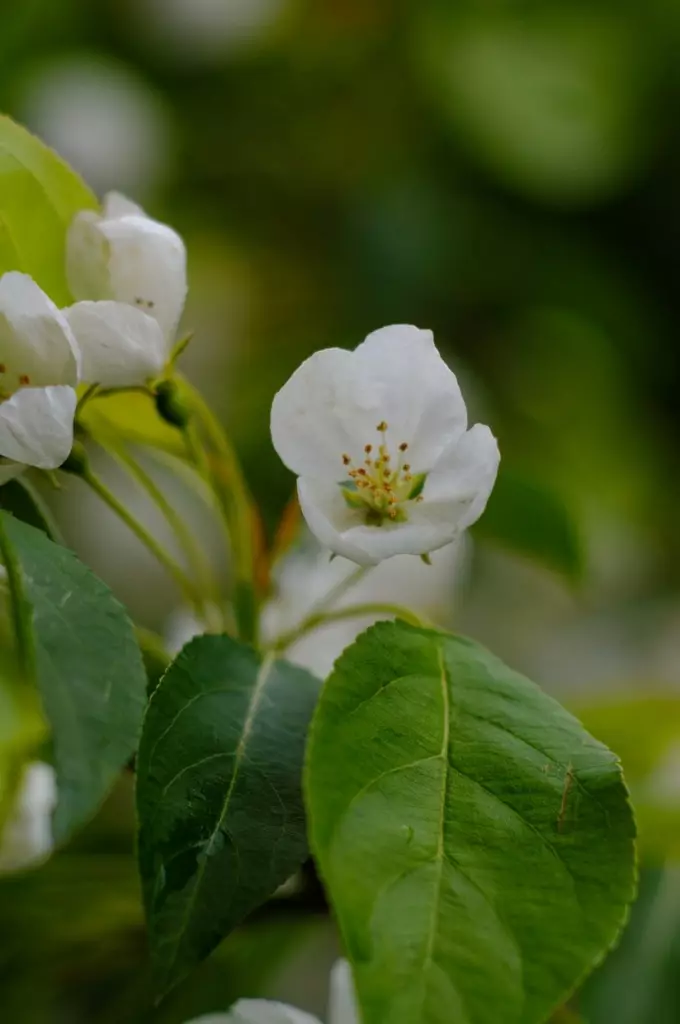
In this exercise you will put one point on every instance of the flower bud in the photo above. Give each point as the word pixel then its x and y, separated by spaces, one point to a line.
pixel 172 406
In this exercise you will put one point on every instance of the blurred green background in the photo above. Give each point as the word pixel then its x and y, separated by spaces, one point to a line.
pixel 505 172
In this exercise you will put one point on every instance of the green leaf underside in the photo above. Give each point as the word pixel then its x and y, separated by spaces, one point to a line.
pixel 219 795
pixel 39 196
pixel 88 668
pixel 477 844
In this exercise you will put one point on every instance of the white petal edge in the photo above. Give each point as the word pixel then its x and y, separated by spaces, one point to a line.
pixel 310 422
pixel 342 1003
pixel 37 341
pixel 147 268
pixel 258 1011
pixel 36 426
pixel 117 205
pixel 463 478
pixel 26 838
pixel 420 395
pixel 87 255
pixel 121 346
pixel 340 528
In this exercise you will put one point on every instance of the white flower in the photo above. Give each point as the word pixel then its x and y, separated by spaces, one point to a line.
pixel 39 366
pixel 379 440
pixel 342 1007
pixel 307 574
pixel 129 272
pixel 27 835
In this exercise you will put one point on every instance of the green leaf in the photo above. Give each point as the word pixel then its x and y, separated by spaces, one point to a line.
pixel 88 670
pixel 25 503
pixel 218 795
pixel 39 196
pixel 476 842
pixel 529 518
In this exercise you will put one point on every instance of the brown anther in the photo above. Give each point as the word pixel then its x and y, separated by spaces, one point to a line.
pixel 403 446
pixel 406 467
pixel 368 448
pixel 138 301
pixel 407 477
pixel 382 427
pixel 362 471
pixel 346 460
pixel 420 498
pixel 3 368
pixel 24 379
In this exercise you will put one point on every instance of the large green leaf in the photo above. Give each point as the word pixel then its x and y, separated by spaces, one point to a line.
pixel 39 196
pixel 476 842
pixel 87 665
pixel 530 519
pixel 218 794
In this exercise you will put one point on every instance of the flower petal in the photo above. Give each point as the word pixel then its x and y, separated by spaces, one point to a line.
pixel 311 419
pixel 87 257
pixel 36 426
pixel 462 480
pixel 120 345
pixel 130 258
pixel 333 403
pixel 342 1006
pixel 343 531
pixel 418 394
pixel 258 1011
pixel 37 346
pixel 116 205
pixel 27 835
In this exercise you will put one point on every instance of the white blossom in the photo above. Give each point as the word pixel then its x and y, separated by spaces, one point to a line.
pixel 379 440
pixel 27 834
pixel 39 368
pixel 342 1007
pixel 306 575
pixel 128 272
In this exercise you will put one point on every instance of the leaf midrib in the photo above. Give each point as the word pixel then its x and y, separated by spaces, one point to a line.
pixel 440 855
pixel 253 706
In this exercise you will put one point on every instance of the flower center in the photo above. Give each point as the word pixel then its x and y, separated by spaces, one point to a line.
pixel 382 485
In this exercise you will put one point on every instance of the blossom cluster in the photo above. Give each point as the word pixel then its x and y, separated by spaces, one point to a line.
pixel 378 437
pixel 128 273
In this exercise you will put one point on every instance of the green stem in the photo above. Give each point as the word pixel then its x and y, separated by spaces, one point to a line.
pixel 147 539
pixel 89 393
pixel 195 555
pixel 354 611
pixel 20 608
pixel 228 483
pixel 340 589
